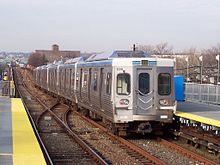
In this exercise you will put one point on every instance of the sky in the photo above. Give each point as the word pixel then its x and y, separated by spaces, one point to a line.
pixel 105 25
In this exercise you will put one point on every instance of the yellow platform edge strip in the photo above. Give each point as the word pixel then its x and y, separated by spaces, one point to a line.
pixel 26 149
pixel 197 118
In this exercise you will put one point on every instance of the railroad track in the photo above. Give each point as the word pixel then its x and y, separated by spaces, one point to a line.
pixel 116 149
pixel 28 102
pixel 62 148
pixel 197 158
pixel 131 154
pixel 205 143
pixel 59 143
pixel 164 150
pixel 105 143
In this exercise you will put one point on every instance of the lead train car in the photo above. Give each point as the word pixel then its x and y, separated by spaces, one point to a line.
pixel 127 90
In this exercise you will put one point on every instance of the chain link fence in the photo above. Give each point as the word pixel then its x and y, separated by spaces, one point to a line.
pixel 207 93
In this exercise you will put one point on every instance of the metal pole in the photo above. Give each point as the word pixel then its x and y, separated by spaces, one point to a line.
pixel 201 73
pixel 174 65
pixel 218 73
pixel 217 58
pixel 187 71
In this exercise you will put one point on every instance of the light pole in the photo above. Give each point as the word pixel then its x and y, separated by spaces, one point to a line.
pixel 187 69
pixel 174 60
pixel 200 59
pixel 217 58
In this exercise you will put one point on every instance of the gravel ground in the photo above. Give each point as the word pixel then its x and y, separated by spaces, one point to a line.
pixel 168 156
pixel 102 143
pixel 117 155
pixel 204 152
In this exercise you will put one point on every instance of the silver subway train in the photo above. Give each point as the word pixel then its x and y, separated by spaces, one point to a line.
pixel 128 90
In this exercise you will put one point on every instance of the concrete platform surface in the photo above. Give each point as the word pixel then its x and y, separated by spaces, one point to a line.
pixel 18 144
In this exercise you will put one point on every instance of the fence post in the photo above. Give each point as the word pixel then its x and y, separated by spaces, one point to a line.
pixel 217 93
pixel 200 92
pixel 208 94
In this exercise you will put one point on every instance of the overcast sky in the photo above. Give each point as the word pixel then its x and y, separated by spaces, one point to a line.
pixel 103 25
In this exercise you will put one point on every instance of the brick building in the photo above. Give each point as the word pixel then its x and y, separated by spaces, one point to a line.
pixel 56 54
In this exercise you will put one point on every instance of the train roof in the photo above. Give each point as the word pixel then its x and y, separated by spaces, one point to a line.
pixel 117 54
pixel 74 60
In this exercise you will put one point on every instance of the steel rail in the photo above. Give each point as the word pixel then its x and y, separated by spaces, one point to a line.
pixel 126 143
pixel 86 147
pixel 186 152
pixel 43 112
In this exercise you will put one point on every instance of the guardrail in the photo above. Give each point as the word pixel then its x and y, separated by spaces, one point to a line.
pixel 207 93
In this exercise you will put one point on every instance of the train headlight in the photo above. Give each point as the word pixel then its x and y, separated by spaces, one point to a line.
pixel 124 102
pixel 164 102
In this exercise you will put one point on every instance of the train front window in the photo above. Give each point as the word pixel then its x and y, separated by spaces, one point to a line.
pixel 164 84
pixel 123 84
pixel 144 83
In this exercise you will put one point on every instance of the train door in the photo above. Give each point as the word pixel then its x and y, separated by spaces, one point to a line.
pixel 144 91
pixel 100 87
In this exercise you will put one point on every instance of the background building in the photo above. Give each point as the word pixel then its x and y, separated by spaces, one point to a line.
pixel 56 54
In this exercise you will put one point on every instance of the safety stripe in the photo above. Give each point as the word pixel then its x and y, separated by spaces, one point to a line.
pixel 197 118
pixel 26 149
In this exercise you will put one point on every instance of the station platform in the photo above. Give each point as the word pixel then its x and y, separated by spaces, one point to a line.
pixel 18 144
pixel 204 113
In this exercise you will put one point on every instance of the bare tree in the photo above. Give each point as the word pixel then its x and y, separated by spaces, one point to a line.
pixel 36 59
pixel 147 48
pixel 163 48
pixel 158 49
pixel 210 54
pixel 210 62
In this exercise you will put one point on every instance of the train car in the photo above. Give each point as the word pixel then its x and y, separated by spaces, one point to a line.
pixel 128 90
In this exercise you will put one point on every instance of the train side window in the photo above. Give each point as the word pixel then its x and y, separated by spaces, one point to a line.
pixel 73 79
pixel 77 79
pixel 95 82
pixel 84 80
pixel 144 83
pixel 123 84
pixel 70 77
pixel 64 79
pixel 60 78
pixel 108 83
pixel 55 79
pixel 164 84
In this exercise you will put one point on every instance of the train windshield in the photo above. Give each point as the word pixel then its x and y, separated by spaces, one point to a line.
pixel 144 83
pixel 123 84
pixel 164 84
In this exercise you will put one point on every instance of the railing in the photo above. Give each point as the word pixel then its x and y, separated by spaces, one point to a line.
pixel 7 88
pixel 207 93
